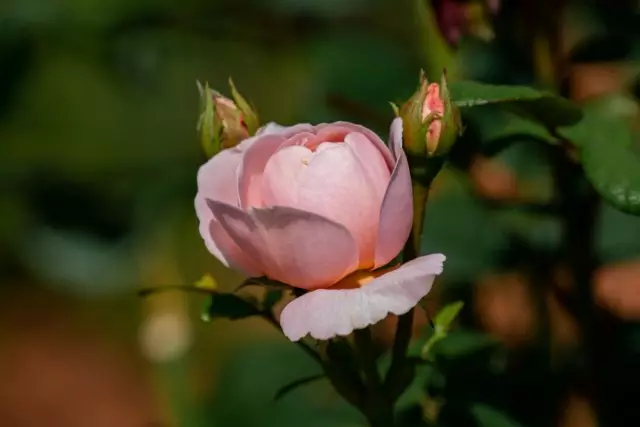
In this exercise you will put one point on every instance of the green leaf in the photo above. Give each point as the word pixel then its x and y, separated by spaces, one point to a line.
pixel 415 393
pixel 442 322
pixel 228 306
pixel 447 314
pixel 497 128
pixel 206 282
pixel 458 215
pixel 295 384
pixel 271 298
pixel 431 342
pixel 488 416
pixel 609 155
pixel 545 107
pixel 462 343
pixel 617 235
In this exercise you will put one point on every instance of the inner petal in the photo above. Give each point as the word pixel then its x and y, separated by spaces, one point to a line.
pixel 282 174
pixel 330 134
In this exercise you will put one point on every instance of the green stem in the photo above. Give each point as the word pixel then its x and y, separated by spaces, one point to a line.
pixel 378 407
pixel 395 383
pixel 364 346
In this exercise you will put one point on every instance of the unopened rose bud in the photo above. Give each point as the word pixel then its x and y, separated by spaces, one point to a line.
pixel 224 122
pixel 431 122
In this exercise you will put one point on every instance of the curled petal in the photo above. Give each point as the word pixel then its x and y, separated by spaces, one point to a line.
pixel 396 213
pixel 326 313
pixel 299 248
pixel 375 139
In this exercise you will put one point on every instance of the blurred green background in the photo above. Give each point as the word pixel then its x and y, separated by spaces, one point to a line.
pixel 98 157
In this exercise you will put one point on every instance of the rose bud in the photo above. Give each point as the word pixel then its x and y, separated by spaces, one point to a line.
pixel 431 121
pixel 224 122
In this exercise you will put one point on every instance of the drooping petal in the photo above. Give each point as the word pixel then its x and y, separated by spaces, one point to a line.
pixel 308 250
pixel 252 167
pixel 281 175
pixel 217 181
pixel 234 257
pixel 371 136
pixel 296 247
pixel 396 213
pixel 335 186
pixel 326 313
pixel 240 240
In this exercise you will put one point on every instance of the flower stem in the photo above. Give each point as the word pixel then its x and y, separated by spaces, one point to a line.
pixel 393 382
pixel 378 407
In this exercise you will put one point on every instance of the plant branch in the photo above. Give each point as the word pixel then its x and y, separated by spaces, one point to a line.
pixel 378 408
pixel 394 382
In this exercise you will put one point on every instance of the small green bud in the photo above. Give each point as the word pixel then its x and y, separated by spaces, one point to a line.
pixel 223 122
pixel 430 120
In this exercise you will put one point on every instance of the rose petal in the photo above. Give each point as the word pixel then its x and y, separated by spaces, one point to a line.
pixel 239 237
pixel 273 128
pixel 311 251
pixel 326 313
pixel 371 160
pixel 298 139
pixel 396 213
pixel 281 175
pixel 335 186
pixel 296 247
pixel 216 181
pixel 372 136
pixel 234 257
pixel 252 167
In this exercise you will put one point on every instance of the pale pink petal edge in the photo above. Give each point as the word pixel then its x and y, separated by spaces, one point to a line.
pixel 273 128
pixel 327 313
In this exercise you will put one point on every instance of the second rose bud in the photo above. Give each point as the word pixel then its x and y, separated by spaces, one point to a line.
pixel 431 120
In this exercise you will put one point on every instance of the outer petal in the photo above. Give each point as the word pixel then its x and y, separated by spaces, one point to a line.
pixel 293 246
pixel 237 238
pixel 217 181
pixel 233 255
pixel 396 213
pixel 327 313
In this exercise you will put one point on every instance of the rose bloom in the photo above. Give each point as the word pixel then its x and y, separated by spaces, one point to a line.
pixel 320 208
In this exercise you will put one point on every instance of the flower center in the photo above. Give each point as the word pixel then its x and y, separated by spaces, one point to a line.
pixel 360 278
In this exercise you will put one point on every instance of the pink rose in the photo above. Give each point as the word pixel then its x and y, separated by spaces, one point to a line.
pixel 318 208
